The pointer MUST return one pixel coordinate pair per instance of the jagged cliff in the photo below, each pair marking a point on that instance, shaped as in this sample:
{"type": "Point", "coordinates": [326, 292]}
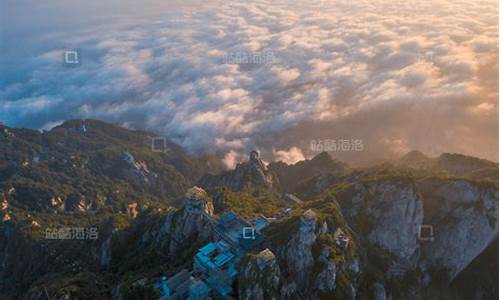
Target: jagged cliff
{"type": "Point", "coordinates": [191, 224]}
{"type": "Point", "coordinates": [429, 229]}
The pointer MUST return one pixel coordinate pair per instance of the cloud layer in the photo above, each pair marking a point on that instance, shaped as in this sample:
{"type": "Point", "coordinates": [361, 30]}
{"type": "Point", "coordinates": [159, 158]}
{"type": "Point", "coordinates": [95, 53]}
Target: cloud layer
{"type": "Point", "coordinates": [222, 76]}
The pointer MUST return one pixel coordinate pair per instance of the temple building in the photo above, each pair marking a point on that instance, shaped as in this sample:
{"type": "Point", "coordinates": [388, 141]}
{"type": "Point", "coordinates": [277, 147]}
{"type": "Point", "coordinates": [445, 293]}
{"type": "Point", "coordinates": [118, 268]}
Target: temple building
{"type": "Point", "coordinates": [183, 286]}
{"type": "Point", "coordinates": [237, 233]}
{"type": "Point", "coordinates": [216, 264]}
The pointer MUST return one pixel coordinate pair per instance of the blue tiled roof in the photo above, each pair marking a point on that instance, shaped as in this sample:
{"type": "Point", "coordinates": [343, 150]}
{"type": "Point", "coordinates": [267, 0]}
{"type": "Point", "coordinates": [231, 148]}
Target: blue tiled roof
{"type": "Point", "coordinates": [208, 248]}
{"type": "Point", "coordinates": [227, 217]}
{"type": "Point", "coordinates": [261, 223]}
{"type": "Point", "coordinates": [222, 258]}
{"type": "Point", "coordinates": [220, 248]}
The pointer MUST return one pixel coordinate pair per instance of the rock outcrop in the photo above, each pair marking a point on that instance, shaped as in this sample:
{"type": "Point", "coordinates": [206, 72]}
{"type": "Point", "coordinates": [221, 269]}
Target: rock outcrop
{"type": "Point", "coordinates": [325, 282]}
{"type": "Point", "coordinates": [259, 277]}
{"type": "Point", "coordinates": [137, 170]}
{"type": "Point", "coordinates": [4, 209]}
{"type": "Point", "coordinates": [105, 257]}
{"type": "Point", "coordinates": [379, 291]}
{"type": "Point", "coordinates": [464, 217]}
{"type": "Point", "coordinates": [311, 261]}
{"type": "Point", "coordinates": [132, 210]}
{"type": "Point", "coordinates": [357, 234]}
{"type": "Point", "coordinates": [76, 203]}
{"type": "Point", "coordinates": [389, 213]}
{"type": "Point", "coordinates": [298, 252]}
{"type": "Point", "coordinates": [190, 223]}
{"type": "Point", "coordinates": [252, 173]}
{"type": "Point", "coordinates": [461, 217]}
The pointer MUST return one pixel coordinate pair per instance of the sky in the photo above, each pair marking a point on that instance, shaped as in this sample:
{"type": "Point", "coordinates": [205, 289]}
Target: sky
{"type": "Point", "coordinates": [281, 76]}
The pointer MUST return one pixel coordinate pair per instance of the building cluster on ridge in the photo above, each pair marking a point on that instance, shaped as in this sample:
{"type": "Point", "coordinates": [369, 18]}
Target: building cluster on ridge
{"type": "Point", "coordinates": [215, 264]}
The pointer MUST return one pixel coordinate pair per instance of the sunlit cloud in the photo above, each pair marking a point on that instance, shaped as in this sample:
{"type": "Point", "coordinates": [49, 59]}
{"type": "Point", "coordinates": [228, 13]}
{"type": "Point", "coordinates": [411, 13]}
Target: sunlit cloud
{"type": "Point", "coordinates": [385, 72]}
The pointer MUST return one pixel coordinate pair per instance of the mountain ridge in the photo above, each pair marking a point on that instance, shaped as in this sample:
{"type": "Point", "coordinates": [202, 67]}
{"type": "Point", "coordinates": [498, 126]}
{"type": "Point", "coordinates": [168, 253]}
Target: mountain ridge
{"type": "Point", "coordinates": [354, 234]}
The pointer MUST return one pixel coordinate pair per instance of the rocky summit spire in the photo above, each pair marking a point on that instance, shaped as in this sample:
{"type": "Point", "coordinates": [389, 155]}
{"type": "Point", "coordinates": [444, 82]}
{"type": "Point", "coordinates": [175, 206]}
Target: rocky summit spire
{"type": "Point", "coordinates": [255, 161]}
{"type": "Point", "coordinates": [197, 201]}
{"type": "Point", "coordinates": [252, 173]}
{"type": "Point", "coordinates": [254, 157]}
{"type": "Point", "coordinates": [190, 223]}
{"type": "Point", "coordinates": [258, 170]}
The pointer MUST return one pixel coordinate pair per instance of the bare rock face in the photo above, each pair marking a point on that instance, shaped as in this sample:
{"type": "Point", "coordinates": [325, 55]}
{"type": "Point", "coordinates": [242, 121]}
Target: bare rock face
{"type": "Point", "coordinates": [307, 259]}
{"type": "Point", "coordinates": [260, 277]}
{"type": "Point", "coordinates": [76, 203]}
{"type": "Point", "coordinates": [399, 212]}
{"type": "Point", "coordinates": [191, 222]}
{"type": "Point", "coordinates": [56, 202]}
{"type": "Point", "coordinates": [464, 217]}
{"type": "Point", "coordinates": [105, 256]}
{"type": "Point", "coordinates": [325, 281]}
{"type": "Point", "coordinates": [257, 168]}
{"type": "Point", "coordinates": [297, 253]}
{"type": "Point", "coordinates": [198, 202]}
{"type": "Point", "coordinates": [4, 203]}
{"type": "Point", "coordinates": [394, 211]}
{"type": "Point", "coordinates": [137, 170]}
{"type": "Point", "coordinates": [132, 210]}
{"type": "Point", "coordinates": [299, 247]}
{"type": "Point", "coordinates": [4, 206]}
{"type": "Point", "coordinates": [379, 291]}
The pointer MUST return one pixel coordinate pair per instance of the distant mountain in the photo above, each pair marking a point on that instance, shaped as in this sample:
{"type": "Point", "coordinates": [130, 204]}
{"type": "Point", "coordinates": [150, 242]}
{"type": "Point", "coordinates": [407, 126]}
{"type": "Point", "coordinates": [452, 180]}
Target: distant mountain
{"type": "Point", "coordinates": [250, 174]}
{"type": "Point", "coordinates": [278, 176]}
{"type": "Point", "coordinates": [416, 160]}
{"type": "Point", "coordinates": [463, 165]}
{"type": "Point", "coordinates": [291, 176]}
{"type": "Point", "coordinates": [88, 164]}
{"type": "Point", "coordinates": [452, 164]}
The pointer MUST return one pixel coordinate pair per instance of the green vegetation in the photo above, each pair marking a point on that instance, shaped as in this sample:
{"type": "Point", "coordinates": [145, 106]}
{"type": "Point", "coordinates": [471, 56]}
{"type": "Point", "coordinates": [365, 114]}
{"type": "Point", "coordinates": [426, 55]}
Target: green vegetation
{"type": "Point", "coordinates": [46, 169]}
{"type": "Point", "coordinates": [250, 204]}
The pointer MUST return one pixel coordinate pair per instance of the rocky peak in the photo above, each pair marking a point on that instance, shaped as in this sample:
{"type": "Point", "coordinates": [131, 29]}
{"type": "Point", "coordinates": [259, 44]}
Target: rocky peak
{"type": "Point", "coordinates": [255, 162]}
{"type": "Point", "coordinates": [192, 222]}
{"type": "Point", "coordinates": [197, 201]}
{"type": "Point", "coordinates": [252, 173]}
{"type": "Point", "coordinates": [254, 157]}
{"type": "Point", "coordinates": [308, 221]}
{"type": "Point", "coordinates": [265, 258]}
{"type": "Point", "coordinates": [256, 169]}
{"type": "Point", "coordinates": [259, 277]}
{"type": "Point", "coordinates": [297, 252]}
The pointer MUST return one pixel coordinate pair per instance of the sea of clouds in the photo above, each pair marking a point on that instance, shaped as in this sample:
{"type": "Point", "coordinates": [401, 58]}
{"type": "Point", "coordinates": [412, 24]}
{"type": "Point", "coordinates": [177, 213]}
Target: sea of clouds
{"type": "Point", "coordinates": [229, 76]}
